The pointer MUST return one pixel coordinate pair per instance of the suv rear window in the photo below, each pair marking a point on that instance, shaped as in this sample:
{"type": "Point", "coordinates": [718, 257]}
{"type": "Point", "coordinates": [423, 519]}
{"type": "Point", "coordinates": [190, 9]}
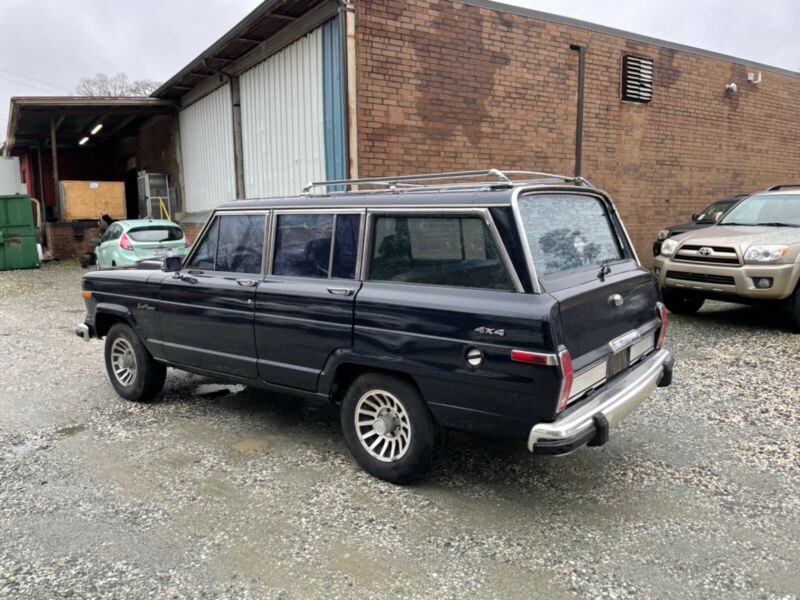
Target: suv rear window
{"type": "Point", "coordinates": [567, 231]}
{"type": "Point", "coordinates": [156, 234]}
{"type": "Point", "coordinates": [452, 251]}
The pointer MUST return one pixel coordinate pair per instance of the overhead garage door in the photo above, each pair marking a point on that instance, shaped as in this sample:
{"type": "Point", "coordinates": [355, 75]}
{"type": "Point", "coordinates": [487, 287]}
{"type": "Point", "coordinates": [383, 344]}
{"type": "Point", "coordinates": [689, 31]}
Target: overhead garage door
{"type": "Point", "coordinates": [292, 121]}
{"type": "Point", "coordinates": [207, 151]}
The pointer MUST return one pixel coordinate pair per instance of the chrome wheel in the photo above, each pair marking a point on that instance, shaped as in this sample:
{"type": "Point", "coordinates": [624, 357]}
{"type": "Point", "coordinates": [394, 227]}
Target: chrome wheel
{"type": "Point", "coordinates": [382, 425]}
{"type": "Point", "coordinates": [123, 361]}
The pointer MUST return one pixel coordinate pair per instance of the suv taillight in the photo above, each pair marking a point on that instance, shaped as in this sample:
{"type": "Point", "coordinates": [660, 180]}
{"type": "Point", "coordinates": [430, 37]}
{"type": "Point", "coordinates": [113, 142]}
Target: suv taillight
{"type": "Point", "coordinates": [662, 334]}
{"type": "Point", "coordinates": [567, 377]}
{"type": "Point", "coordinates": [125, 242]}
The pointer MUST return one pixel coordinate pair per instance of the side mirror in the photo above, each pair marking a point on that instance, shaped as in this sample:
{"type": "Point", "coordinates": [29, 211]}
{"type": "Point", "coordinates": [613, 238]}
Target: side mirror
{"type": "Point", "coordinates": [718, 216]}
{"type": "Point", "coordinates": [171, 264]}
{"type": "Point", "coordinates": [695, 216]}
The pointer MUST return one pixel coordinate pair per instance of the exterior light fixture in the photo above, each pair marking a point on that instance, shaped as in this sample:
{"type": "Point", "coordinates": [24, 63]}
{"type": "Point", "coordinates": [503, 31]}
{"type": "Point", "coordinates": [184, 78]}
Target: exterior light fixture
{"type": "Point", "coordinates": [96, 128]}
{"type": "Point", "coordinates": [83, 141]}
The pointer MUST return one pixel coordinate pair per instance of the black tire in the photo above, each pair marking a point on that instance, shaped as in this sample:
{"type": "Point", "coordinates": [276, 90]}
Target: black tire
{"type": "Point", "coordinates": [682, 303]}
{"type": "Point", "coordinates": [410, 456]}
{"type": "Point", "coordinates": [144, 378]}
{"type": "Point", "coordinates": [792, 311]}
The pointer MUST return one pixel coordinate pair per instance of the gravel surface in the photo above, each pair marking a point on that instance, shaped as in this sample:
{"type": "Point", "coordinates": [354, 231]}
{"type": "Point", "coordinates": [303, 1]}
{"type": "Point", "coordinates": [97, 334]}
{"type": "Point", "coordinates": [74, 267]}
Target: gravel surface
{"type": "Point", "coordinates": [219, 491]}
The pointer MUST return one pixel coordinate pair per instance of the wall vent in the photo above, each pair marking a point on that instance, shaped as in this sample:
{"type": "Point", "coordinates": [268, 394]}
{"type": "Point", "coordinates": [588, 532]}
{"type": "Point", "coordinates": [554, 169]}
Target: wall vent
{"type": "Point", "coordinates": [637, 78]}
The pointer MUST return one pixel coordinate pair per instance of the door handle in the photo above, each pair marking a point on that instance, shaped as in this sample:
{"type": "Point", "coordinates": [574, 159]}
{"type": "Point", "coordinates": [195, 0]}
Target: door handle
{"type": "Point", "coordinates": [340, 291]}
{"type": "Point", "coordinates": [247, 282]}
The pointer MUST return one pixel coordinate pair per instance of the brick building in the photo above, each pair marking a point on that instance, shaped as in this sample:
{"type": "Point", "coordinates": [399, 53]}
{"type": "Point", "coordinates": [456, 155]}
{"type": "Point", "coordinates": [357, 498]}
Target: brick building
{"type": "Point", "coordinates": [314, 89]}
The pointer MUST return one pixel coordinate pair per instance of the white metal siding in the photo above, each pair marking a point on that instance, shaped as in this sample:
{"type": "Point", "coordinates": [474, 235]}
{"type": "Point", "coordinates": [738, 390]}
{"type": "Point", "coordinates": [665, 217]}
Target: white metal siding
{"type": "Point", "coordinates": [283, 136]}
{"type": "Point", "coordinates": [207, 151]}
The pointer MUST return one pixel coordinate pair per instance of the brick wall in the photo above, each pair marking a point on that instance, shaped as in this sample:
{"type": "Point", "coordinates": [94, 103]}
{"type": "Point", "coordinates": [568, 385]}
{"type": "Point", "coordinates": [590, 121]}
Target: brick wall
{"type": "Point", "coordinates": [63, 243]}
{"type": "Point", "coordinates": [443, 86]}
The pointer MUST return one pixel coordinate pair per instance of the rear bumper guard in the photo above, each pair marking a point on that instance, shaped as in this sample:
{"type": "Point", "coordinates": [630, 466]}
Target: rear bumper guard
{"type": "Point", "coordinates": [84, 332]}
{"type": "Point", "coordinates": [590, 422]}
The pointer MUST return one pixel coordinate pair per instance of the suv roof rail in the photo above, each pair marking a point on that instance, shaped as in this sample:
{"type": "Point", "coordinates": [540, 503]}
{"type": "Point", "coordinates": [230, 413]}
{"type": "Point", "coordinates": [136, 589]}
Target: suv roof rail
{"type": "Point", "coordinates": [783, 186]}
{"type": "Point", "coordinates": [410, 182]}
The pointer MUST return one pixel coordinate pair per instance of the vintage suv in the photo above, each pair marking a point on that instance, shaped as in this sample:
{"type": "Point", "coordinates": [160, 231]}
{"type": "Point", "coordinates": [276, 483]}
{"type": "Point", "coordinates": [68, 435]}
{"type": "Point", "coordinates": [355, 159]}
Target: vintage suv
{"type": "Point", "coordinates": [499, 306]}
{"type": "Point", "coordinates": [752, 256]}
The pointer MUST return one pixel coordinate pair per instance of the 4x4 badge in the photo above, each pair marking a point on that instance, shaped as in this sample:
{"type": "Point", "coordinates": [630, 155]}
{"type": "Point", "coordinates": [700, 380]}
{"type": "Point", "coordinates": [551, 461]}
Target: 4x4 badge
{"type": "Point", "coordinates": [490, 331]}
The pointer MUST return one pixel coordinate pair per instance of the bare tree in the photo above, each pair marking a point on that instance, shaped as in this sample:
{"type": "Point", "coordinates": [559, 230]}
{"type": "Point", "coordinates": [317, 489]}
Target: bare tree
{"type": "Point", "coordinates": [118, 85]}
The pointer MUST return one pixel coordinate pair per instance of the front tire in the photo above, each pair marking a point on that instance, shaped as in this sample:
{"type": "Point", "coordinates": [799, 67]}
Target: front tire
{"type": "Point", "coordinates": [682, 303]}
{"type": "Point", "coordinates": [133, 371]}
{"type": "Point", "coordinates": [792, 310]}
{"type": "Point", "coordinates": [388, 428]}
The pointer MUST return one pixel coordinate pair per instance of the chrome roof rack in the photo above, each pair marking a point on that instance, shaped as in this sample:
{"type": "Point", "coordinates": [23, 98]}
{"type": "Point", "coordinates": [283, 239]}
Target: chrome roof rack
{"type": "Point", "coordinates": [783, 186]}
{"type": "Point", "coordinates": [500, 179]}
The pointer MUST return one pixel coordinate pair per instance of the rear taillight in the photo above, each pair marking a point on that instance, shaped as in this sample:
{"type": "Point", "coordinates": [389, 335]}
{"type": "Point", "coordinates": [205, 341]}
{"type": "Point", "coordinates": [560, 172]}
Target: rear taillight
{"type": "Point", "coordinates": [535, 358]}
{"type": "Point", "coordinates": [125, 242]}
{"type": "Point", "coordinates": [662, 334]}
{"type": "Point", "coordinates": [567, 377]}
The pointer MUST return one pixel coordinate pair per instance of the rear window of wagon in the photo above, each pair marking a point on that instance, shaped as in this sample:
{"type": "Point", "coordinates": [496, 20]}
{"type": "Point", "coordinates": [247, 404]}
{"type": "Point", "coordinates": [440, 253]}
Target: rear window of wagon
{"type": "Point", "coordinates": [568, 231]}
{"type": "Point", "coordinates": [156, 234]}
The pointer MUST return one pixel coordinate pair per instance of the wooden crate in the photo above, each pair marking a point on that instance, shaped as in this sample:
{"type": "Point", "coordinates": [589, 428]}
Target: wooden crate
{"type": "Point", "coordinates": [87, 200]}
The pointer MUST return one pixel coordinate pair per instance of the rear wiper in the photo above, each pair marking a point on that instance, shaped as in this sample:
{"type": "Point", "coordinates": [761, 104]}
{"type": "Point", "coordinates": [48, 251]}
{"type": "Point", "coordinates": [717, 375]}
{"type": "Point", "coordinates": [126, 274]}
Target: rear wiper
{"type": "Point", "coordinates": [777, 224]}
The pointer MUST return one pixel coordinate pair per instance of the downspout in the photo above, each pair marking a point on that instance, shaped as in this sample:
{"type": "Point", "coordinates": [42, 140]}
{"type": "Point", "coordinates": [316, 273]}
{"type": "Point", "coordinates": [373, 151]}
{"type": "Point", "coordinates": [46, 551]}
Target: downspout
{"type": "Point", "coordinates": [579, 112]}
{"type": "Point", "coordinates": [236, 105]}
{"type": "Point", "coordinates": [350, 67]}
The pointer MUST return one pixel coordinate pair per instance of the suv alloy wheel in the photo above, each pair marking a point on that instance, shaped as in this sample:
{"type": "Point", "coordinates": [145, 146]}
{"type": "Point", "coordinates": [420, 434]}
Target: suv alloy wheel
{"type": "Point", "coordinates": [388, 428]}
{"type": "Point", "coordinates": [133, 371]}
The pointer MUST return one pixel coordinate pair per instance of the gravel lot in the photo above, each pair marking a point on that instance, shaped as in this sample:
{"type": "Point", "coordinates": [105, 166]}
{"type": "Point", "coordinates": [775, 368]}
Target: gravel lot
{"type": "Point", "coordinates": [219, 491]}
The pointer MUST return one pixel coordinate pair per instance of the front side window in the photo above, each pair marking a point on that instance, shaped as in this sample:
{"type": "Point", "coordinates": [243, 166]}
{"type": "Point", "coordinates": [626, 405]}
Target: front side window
{"type": "Point", "coordinates": [568, 231]}
{"type": "Point", "coordinates": [453, 251]}
{"type": "Point", "coordinates": [206, 253]}
{"type": "Point", "coordinates": [779, 210]}
{"type": "Point", "coordinates": [240, 248]}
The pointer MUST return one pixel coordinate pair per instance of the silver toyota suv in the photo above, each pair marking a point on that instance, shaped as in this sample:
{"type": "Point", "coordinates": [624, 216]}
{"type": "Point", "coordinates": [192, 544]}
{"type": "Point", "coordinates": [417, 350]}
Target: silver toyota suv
{"type": "Point", "coordinates": [751, 256]}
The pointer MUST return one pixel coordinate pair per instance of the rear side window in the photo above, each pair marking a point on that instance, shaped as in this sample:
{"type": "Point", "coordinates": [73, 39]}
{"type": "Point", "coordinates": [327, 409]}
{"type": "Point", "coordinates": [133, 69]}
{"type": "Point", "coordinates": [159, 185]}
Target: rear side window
{"type": "Point", "coordinates": [316, 245]}
{"type": "Point", "coordinates": [451, 251]}
{"type": "Point", "coordinates": [567, 231]}
{"type": "Point", "coordinates": [156, 234]}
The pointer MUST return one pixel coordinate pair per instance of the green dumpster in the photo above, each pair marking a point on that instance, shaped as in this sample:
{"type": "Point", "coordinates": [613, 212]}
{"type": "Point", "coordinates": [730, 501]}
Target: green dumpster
{"type": "Point", "coordinates": [17, 234]}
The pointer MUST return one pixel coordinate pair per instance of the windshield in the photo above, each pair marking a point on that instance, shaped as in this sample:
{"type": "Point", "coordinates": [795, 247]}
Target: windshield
{"type": "Point", "coordinates": [156, 234]}
{"type": "Point", "coordinates": [710, 214]}
{"type": "Point", "coordinates": [769, 209]}
{"type": "Point", "coordinates": [567, 231]}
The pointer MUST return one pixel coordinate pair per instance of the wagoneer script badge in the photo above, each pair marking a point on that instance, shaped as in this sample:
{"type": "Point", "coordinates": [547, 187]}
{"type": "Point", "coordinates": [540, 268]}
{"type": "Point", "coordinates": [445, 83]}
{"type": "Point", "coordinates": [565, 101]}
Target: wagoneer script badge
{"type": "Point", "coordinates": [623, 341]}
{"type": "Point", "coordinates": [490, 331]}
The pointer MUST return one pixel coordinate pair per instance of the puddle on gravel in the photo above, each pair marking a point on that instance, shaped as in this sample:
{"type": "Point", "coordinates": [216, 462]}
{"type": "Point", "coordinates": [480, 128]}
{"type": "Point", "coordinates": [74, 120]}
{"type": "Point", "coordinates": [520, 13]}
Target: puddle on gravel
{"type": "Point", "coordinates": [22, 450]}
{"type": "Point", "coordinates": [214, 390]}
{"type": "Point", "coordinates": [71, 430]}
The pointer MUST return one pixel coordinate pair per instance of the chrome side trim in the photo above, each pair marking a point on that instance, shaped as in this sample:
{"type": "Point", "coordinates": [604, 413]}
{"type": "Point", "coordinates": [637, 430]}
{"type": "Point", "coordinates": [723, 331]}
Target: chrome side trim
{"type": "Point", "coordinates": [619, 397]}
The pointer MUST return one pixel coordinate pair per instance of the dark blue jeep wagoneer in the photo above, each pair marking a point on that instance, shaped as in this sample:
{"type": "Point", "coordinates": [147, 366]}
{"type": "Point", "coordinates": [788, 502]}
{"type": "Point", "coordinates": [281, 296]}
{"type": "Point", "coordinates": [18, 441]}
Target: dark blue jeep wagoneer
{"type": "Point", "coordinates": [504, 303]}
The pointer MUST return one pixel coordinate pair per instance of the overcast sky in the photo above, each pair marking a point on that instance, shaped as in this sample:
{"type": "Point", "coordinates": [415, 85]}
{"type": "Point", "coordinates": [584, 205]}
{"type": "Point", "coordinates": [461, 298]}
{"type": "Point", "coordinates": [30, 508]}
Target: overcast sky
{"type": "Point", "coordinates": [50, 44]}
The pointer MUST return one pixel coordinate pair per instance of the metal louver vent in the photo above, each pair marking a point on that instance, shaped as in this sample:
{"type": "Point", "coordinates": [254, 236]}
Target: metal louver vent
{"type": "Point", "coordinates": [637, 78]}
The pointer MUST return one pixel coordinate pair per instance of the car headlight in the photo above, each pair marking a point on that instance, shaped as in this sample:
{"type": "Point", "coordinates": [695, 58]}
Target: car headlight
{"type": "Point", "coordinates": [668, 247]}
{"type": "Point", "coordinates": [663, 234]}
{"type": "Point", "coordinates": [766, 253]}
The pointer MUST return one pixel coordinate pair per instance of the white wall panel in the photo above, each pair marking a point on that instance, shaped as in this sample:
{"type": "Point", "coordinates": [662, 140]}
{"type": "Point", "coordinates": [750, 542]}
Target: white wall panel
{"type": "Point", "coordinates": [207, 151]}
{"type": "Point", "coordinates": [283, 137]}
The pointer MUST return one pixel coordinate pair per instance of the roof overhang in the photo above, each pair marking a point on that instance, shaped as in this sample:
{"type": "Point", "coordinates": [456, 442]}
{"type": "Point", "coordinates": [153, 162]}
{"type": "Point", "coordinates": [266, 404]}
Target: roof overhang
{"type": "Point", "coordinates": [272, 25]}
{"type": "Point", "coordinates": [31, 118]}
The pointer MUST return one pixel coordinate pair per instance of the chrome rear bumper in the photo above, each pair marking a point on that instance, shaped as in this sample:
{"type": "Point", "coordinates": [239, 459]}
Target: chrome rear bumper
{"type": "Point", "coordinates": [589, 422]}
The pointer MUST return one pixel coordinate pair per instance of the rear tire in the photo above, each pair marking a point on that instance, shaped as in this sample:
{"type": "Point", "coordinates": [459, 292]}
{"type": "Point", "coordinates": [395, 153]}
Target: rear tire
{"type": "Point", "coordinates": [388, 428]}
{"type": "Point", "coordinates": [680, 302]}
{"type": "Point", "coordinates": [133, 371]}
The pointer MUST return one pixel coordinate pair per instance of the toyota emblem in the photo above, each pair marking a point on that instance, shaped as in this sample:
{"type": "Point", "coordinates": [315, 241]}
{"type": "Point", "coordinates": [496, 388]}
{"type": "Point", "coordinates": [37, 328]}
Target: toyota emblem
{"type": "Point", "coordinates": [706, 251]}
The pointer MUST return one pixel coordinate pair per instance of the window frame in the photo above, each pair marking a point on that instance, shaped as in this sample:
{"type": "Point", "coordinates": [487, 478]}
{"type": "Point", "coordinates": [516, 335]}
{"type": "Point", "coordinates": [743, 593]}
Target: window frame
{"type": "Point", "coordinates": [333, 211]}
{"type": "Point", "coordinates": [482, 213]}
{"type": "Point", "coordinates": [201, 237]}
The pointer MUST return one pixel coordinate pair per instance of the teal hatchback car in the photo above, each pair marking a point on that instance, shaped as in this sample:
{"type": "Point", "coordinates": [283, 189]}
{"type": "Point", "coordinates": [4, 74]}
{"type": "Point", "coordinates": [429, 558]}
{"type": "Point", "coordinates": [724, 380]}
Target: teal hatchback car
{"type": "Point", "coordinates": [127, 242]}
